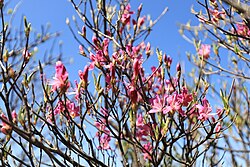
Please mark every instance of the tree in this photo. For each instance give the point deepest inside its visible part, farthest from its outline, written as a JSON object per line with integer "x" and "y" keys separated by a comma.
{"x": 226, "y": 25}
{"x": 125, "y": 114}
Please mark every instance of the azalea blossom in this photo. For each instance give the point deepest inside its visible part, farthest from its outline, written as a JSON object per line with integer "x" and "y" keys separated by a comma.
{"x": 219, "y": 111}
{"x": 204, "y": 51}
{"x": 147, "y": 149}
{"x": 242, "y": 29}
{"x": 126, "y": 15}
{"x": 100, "y": 125}
{"x": 148, "y": 49}
{"x": 84, "y": 76}
{"x": 5, "y": 129}
{"x": 186, "y": 97}
{"x": 133, "y": 93}
{"x": 217, "y": 15}
{"x": 103, "y": 134}
{"x": 218, "y": 127}
{"x": 104, "y": 142}
{"x": 159, "y": 105}
{"x": 174, "y": 103}
{"x": 73, "y": 109}
{"x": 70, "y": 106}
{"x": 204, "y": 110}
{"x": 142, "y": 130}
{"x": 97, "y": 59}
{"x": 136, "y": 68}
{"x": 61, "y": 78}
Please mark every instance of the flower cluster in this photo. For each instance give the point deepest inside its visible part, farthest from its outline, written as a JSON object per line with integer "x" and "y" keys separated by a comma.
{"x": 60, "y": 81}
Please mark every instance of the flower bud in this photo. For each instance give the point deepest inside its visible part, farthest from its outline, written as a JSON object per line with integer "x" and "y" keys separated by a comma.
{"x": 167, "y": 60}
{"x": 67, "y": 21}
{"x": 178, "y": 67}
{"x": 84, "y": 31}
{"x": 14, "y": 117}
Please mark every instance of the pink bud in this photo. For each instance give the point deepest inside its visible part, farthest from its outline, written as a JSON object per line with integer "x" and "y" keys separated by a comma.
{"x": 95, "y": 41}
{"x": 219, "y": 111}
{"x": 140, "y": 7}
{"x": 218, "y": 127}
{"x": 178, "y": 67}
{"x": 136, "y": 68}
{"x": 5, "y": 129}
{"x": 84, "y": 75}
{"x": 81, "y": 50}
{"x": 148, "y": 49}
{"x": 167, "y": 60}
{"x": 141, "y": 21}
{"x": 14, "y": 116}
{"x": 133, "y": 95}
{"x": 26, "y": 54}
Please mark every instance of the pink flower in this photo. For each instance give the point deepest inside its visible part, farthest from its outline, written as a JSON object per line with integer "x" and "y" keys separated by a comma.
{"x": 218, "y": 127}
{"x": 70, "y": 106}
{"x": 59, "y": 108}
{"x": 110, "y": 77}
{"x": 219, "y": 111}
{"x": 204, "y": 51}
{"x": 242, "y": 29}
{"x": 167, "y": 60}
{"x": 216, "y": 15}
{"x": 104, "y": 142}
{"x": 140, "y": 7}
{"x": 136, "y": 68}
{"x": 100, "y": 125}
{"x": 84, "y": 76}
{"x": 61, "y": 78}
{"x": 5, "y": 129}
{"x": 72, "y": 109}
{"x": 147, "y": 149}
{"x": 141, "y": 21}
{"x": 159, "y": 105}
{"x": 204, "y": 110}
{"x": 126, "y": 16}
{"x": 139, "y": 120}
{"x": 142, "y": 130}
{"x": 174, "y": 103}
{"x": 104, "y": 111}
{"x": 133, "y": 93}
{"x": 96, "y": 41}
{"x": 81, "y": 50}
{"x": 14, "y": 116}
{"x": 187, "y": 97}
{"x": 148, "y": 49}
{"x": 103, "y": 134}
{"x": 105, "y": 46}
{"x": 97, "y": 59}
